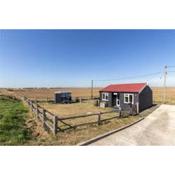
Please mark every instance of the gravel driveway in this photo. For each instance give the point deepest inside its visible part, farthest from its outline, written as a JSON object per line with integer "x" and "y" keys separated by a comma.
{"x": 157, "y": 129}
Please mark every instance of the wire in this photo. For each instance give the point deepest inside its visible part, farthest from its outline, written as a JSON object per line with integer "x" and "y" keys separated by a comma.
{"x": 170, "y": 71}
{"x": 132, "y": 77}
{"x": 170, "y": 66}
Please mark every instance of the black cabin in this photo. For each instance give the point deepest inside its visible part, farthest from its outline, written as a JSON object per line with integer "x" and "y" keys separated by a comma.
{"x": 127, "y": 97}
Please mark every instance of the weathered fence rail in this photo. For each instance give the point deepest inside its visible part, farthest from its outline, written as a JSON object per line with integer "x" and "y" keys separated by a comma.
{"x": 49, "y": 120}
{"x": 54, "y": 124}
{"x": 77, "y": 99}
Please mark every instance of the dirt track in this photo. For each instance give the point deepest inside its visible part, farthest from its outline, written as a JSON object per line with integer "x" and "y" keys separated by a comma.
{"x": 157, "y": 129}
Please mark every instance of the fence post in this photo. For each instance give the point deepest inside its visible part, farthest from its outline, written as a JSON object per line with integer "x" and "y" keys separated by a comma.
{"x": 99, "y": 118}
{"x": 31, "y": 105}
{"x": 44, "y": 117}
{"x": 55, "y": 122}
{"x": 36, "y": 100}
{"x": 37, "y": 111}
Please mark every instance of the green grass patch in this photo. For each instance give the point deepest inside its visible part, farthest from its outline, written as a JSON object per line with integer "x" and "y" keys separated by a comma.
{"x": 13, "y": 115}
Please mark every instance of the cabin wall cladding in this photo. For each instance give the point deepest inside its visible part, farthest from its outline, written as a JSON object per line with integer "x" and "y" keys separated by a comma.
{"x": 146, "y": 98}
{"x": 109, "y": 102}
{"x": 127, "y": 107}
{"x": 63, "y": 97}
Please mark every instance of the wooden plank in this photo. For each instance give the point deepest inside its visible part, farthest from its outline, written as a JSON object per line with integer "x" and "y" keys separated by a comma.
{"x": 55, "y": 124}
{"x": 49, "y": 119}
{"x": 109, "y": 119}
{"x": 40, "y": 110}
{"x": 64, "y": 123}
{"x": 43, "y": 119}
{"x": 50, "y": 113}
{"x": 46, "y": 124}
{"x": 86, "y": 115}
{"x": 78, "y": 116}
{"x": 49, "y": 116}
{"x": 99, "y": 119}
{"x": 84, "y": 124}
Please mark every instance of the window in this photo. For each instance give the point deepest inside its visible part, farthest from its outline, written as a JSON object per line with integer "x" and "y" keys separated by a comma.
{"x": 105, "y": 96}
{"x": 129, "y": 98}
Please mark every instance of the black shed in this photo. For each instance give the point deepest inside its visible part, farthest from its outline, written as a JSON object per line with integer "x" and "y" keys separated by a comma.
{"x": 63, "y": 97}
{"x": 127, "y": 97}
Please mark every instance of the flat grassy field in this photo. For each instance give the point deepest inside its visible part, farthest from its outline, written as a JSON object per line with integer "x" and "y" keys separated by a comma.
{"x": 73, "y": 108}
{"x": 48, "y": 93}
{"x": 79, "y": 135}
{"x": 13, "y": 116}
{"x": 17, "y": 134}
{"x": 73, "y": 137}
{"x": 44, "y": 93}
{"x": 18, "y": 127}
{"x": 76, "y": 109}
{"x": 158, "y": 95}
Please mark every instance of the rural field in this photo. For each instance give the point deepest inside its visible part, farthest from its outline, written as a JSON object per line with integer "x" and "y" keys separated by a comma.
{"x": 48, "y": 93}
{"x": 158, "y": 95}
{"x": 19, "y": 127}
{"x": 13, "y": 114}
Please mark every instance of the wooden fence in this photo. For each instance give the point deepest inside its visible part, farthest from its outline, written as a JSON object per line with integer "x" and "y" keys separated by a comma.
{"x": 74, "y": 99}
{"x": 54, "y": 124}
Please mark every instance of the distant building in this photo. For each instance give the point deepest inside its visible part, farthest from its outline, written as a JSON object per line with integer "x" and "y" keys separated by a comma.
{"x": 127, "y": 96}
{"x": 63, "y": 97}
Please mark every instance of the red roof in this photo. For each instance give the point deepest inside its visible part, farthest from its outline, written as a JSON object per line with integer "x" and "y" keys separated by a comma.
{"x": 137, "y": 87}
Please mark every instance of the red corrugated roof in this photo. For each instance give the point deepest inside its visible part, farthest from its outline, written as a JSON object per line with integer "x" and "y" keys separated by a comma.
{"x": 136, "y": 87}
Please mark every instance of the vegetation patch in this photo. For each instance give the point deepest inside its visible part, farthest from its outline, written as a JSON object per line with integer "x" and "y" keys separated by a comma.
{"x": 13, "y": 114}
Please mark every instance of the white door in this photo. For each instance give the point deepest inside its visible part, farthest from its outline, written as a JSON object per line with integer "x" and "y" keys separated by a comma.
{"x": 117, "y": 102}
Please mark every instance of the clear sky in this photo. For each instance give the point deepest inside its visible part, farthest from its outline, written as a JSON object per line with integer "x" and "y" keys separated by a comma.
{"x": 74, "y": 57}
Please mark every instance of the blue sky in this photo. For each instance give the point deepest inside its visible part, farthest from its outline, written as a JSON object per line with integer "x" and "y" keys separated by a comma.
{"x": 74, "y": 57}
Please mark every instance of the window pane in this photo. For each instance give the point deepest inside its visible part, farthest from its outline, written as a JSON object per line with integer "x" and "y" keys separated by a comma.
{"x": 130, "y": 98}
{"x": 126, "y": 99}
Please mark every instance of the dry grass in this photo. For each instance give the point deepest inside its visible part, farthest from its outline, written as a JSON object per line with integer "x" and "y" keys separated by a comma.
{"x": 76, "y": 109}
{"x": 158, "y": 95}
{"x": 72, "y": 137}
{"x": 73, "y": 109}
{"x": 41, "y": 94}
{"x": 48, "y": 93}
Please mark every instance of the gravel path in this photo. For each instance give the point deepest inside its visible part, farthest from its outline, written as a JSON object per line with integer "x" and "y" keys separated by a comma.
{"x": 157, "y": 129}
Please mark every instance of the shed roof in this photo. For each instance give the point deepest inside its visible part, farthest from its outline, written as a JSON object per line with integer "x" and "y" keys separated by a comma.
{"x": 62, "y": 92}
{"x": 135, "y": 87}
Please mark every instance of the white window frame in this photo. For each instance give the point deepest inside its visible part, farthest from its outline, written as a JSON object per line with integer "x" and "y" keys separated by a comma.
{"x": 105, "y": 96}
{"x": 128, "y": 95}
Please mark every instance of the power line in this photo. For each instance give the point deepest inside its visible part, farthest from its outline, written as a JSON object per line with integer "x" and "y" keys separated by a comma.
{"x": 132, "y": 77}
{"x": 171, "y": 71}
{"x": 170, "y": 66}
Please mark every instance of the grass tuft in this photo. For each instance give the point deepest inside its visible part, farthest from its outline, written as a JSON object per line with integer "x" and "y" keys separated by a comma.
{"x": 12, "y": 122}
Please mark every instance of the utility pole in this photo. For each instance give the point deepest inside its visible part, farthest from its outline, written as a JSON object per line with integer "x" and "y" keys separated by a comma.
{"x": 92, "y": 89}
{"x": 164, "y": 83}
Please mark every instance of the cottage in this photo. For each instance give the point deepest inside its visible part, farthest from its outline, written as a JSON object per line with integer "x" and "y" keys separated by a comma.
{"x": 63, "y": 97}
{"x": 127, "y": 97}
